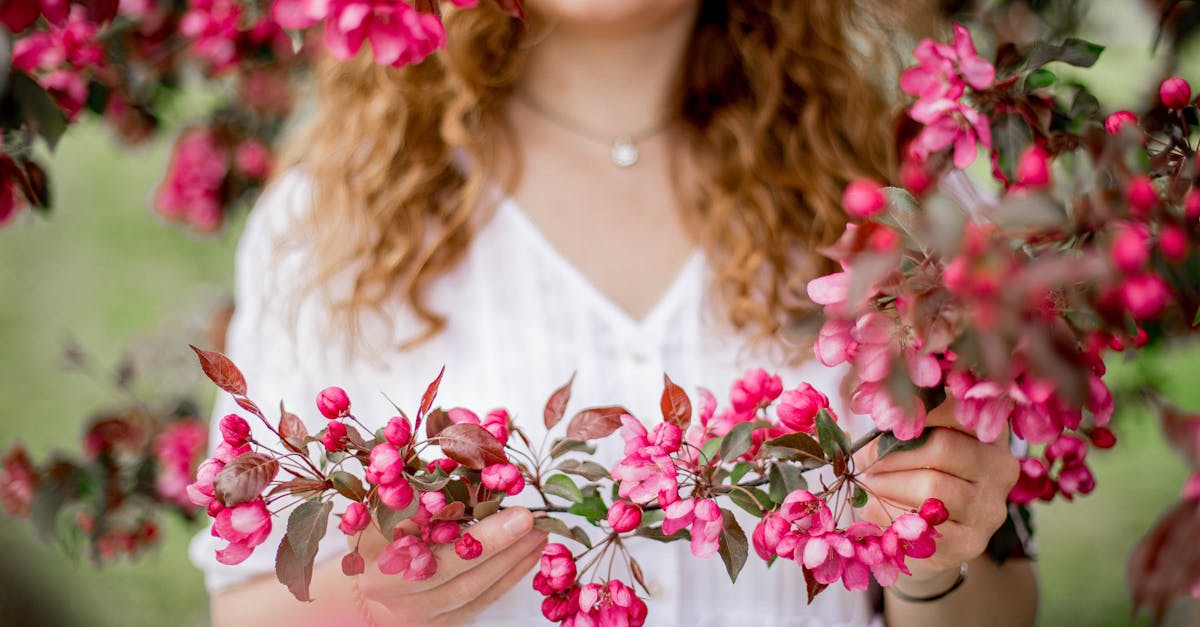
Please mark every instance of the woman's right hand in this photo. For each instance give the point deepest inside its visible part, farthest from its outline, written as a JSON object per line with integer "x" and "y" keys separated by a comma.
{"x": 461, "y": 588}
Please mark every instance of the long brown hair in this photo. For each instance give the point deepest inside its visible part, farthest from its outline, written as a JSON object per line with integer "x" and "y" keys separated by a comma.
{"x": 783, "y": 102}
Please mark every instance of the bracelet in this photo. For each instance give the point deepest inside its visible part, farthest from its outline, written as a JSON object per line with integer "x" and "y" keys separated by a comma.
{"x": 364, "y": 609}
{"x": 962, "y": 576}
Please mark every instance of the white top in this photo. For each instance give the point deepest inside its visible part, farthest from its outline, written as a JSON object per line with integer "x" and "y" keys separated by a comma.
{"x": 522, "y": 318}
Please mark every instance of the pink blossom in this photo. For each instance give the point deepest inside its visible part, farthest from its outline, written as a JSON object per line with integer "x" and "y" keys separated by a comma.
{"x": 613, "y": 604}
{"x": 467, "y": 547}
{"x": 201, "y": 491}
{"x": 176, "y": 448}
{"x": 934, "y": 512}
{"x": 905, "y": 421}
{"x": 18, "y": 482}
{"x": 333, "y": 403}
{"x": 754, "y": 390}
{"x": 807, "y": 513}
{"x": 244, "y": 526}
{"x": 398, "y": 431}
{"x": 798, "y": 408}
{"x": 909, "y": 536}
{"x": 768, "y": 533}
{"x": 1145, "y": 295}
{"x": 556, "y": 570}
{"x": 835, "y": 343}
{"x": 386, "y": 465}
{"x": 1075, "y": 478}
{"x": 334, "y": 439}
{"x": 982, "y": 405}
{"x": 942, "y": 69}
{"x": 864, "y": 537}
{"x": 1034, "y": 483}
{"x": 1141, "y": 195}
{"x": 1192, "y": 205}
{"x": 624, "y": 516}
{"x": 503, "y": 478}
{"x": 1191, "y": 489}
{"x": 1130, "y": 248}
{"x": 191, "y": 189}
{"x": 830, "y": 290}
{"x": 462, "y": 415}
{"x": 826, "y": 555}
{"x": 253, "y": 159}
{"x": 398, "y": 33}
{"x": 496, "y": 423}
{"x": 708, "y": 406}
{"x": 1102, "y": 438}
{"x": 1033, "y": 167}
{"x": 440, "y": 532}
{"x": 396, "y": 495}
{"x": 949, "y": 123}
{"x": 863, "y": 198}
{"x": 1173, "y": 242}
{"x": 1175, "y": 93}
{"x": 410, "y": 557}
{"x": 213, "y": 27}
{"x": 355, "y": 519}
{"x": 64, "y": 55}
{"x": 1119, "y": 120}
{"x": 558, "y": 607}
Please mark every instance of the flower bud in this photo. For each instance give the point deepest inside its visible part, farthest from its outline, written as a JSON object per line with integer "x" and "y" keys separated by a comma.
{"x": 445, "y": 464}
{"x": 1192, "y": 204}
{"x": 914, "y": 177}
{"x": 1141, "y": 195}
{"x": 333, "y": 403}
{"x": 353, "y": 564}
{"x": 1129, "y": 250}
{"x": 798, "y": 408}
{"x": 1145, "y": 295}
{"x": 1173, "y": 242}
{"x": 557, "y": 607}
{"x": 1118, "y": 120}
{"x": 467, "y": 547}
{"x": 1175, "y": 93}
{"x": 442, "y": 532}
{"x": 398, "y": 431}
{"x": 335, "y": 437}
{"x": 355, "y": 519}
{"x": 503, "y": 478}
{"x": 460, "y": 415}
{"x": 235, "y": 430}
{"x": 1033, "y": 167}
{"x": 396, "y": 495}
{"x": 863, "y": 198}
{"x": 1102, "y": 437}
{"x": 934, "y": 512}
{"x": 624, "y": 516}
{"x": 1140, "y": 338}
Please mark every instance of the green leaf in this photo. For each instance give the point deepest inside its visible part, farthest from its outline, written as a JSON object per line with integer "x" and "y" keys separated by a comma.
{"x": 737, "y": 441}
{"x": 1071, "y": 51}
{"x": 39, "y": 108}
{"x": 349, "y": 486}
{"x": 733, "y": 547}
{"x": 562, "y": 486}
{"x": 652, "y": 517}
{"x": 889, "y": 443}
{"x": 387, "y": 517}
{"x": 484, "y": 509}
{"x": 1010, "y": 135}
{"x": 1039, "y": 78}
{"x": 655, "y": 533}
{"x": 709, "y": 449}
{"x": 567, "y": 445}
{"x": 306, "y": 526}
{"x": 860, "y": 497}
{"x": 757, "y": 505}
{"x": 591, "y": 508}
{"x": 833, "y": 440}
{"x": 784, "y": 479}
{"x": 796, "y": 446}
{"x": 581, "y": 536}
{"x": 553, "y": 525}
{"x": 587, "y": 469}
{"x": 430, "y": 482}
{"x": 739, "y": 470}
{"x": 1085, "y": 105}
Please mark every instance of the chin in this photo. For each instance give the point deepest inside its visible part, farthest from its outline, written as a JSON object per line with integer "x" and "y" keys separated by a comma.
{"x": 610, "y": 14}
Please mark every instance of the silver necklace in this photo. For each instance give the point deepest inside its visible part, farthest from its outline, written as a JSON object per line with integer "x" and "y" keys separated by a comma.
{"x": 623, "y": 149}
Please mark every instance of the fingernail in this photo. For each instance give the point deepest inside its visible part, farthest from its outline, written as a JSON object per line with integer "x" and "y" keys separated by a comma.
{"x": 518, "y": 522}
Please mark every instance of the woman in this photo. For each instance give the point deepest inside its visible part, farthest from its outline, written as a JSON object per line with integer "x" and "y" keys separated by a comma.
{"x": 618, "y": 188}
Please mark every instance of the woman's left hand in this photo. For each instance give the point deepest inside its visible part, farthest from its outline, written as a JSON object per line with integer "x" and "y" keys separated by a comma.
{"x": 971, "y": 477}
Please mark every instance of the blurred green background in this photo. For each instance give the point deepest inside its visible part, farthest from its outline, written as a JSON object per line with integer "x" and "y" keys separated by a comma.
{"x": 105, "y": 270}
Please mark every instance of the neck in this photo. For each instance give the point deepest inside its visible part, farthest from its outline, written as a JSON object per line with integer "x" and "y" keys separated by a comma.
{"x": 618, "y": 80}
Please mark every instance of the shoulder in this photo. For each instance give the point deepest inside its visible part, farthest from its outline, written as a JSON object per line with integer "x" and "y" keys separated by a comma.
{"x": 280, "y": 209}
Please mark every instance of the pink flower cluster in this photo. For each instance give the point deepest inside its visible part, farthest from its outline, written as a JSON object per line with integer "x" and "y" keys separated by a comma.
{"x": 192, "y": 190}
{"x": 244, "y": 525}
{"x": 63, "y": 57}
{"x": 177, "y": 449}
{"x": 939, "y": 81}
{"x": 1066, "y": 455}
{"x": 221, "y": 38}
{"x": 612, "y": 603}
{"x": 18, "y": 482}
{"x": 803, "y": 530}
{"x": 399, "y": 34}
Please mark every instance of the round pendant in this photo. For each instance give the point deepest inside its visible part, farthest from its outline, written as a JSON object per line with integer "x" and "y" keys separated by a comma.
{"x": 624, "y": 153}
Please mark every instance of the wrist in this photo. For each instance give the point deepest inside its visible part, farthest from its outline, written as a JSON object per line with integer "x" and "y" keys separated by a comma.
{"x": 929, "y": 586}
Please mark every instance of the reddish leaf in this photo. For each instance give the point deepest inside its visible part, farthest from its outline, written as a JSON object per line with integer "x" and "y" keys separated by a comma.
{"x": 221, "y": 371}
{"x": 306, "y": 526}
{"x": 435, "y": 422}
{"x": 1163, "y": 566}
{"x": 452, "y": 511}
{"x": 595, "y": 422}
{"x": 814, "y": 587}
{"x": 353, "y": 564}
{"x": 296, "y": 487}
{"x": 292, "y": 572}
{"x": 244, "y": 478}
{"x": 635, "y": 569}
{"x": 248, "y": 405}
{"x": 471, "y": 445}
{"x": 676, "y": 407}
{"x": 357, "y": 438}
{"x": 732, "y": 547}
{"x": 556, "y": 406}
{"x": 1182, "y": 431}
{"x": 430, "y": 393}
{"x": 292, "y": 428}
{"x": 348, "y": 485}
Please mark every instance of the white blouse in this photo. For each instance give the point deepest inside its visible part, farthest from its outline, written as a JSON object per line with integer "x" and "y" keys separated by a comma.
{"x": 522, "y": 319}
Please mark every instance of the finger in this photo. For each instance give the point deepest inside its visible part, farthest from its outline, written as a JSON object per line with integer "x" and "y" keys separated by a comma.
{"x": 495, "y": 533}
{"x": 469, "y": 587}
{"x": 502, "y": 583}
{"x": 946, "y": 450}
{"x": 910, "y": 488}
{"x": 945, "y": 415}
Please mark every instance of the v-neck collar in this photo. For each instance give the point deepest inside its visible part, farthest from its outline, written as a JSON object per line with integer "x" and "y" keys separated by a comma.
{"x": 605, "y": 305}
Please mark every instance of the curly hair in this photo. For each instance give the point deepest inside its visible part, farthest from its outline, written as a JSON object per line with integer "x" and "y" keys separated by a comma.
{"x": 782, "y": 103}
